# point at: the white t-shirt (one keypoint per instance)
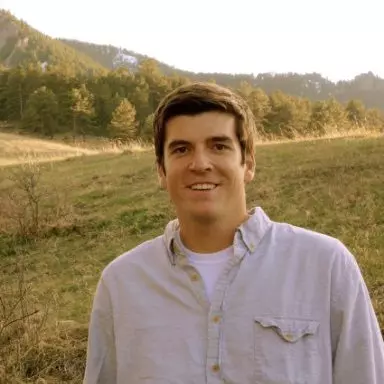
(209, 265)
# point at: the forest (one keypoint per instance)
(120, 105)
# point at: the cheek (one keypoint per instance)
(174, 181)
(235, 174)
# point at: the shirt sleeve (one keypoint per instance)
(101, 354)
(357, 343)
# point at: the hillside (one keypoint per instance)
(21, 44)
(366, 87)
(108, 56)
(93, 208)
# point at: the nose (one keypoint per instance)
(200, 161)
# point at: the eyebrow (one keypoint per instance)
(178, 142)
(222, 139)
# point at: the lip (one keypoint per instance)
(202, 190)
(202, 182)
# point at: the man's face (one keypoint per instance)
(203, 172)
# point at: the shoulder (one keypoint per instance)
(288, 239)
(326, 256)
(305, 238)
(317, 246)
(144, 254)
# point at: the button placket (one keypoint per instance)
(197, 284)
(215, 319)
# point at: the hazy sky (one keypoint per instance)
(337, 38)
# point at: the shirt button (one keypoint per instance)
(194, 277)
(215, 368)
(288, 337)
(216, 319)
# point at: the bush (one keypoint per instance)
(28, 209)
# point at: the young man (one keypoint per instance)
(226, 295)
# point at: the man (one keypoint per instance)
(226, 295)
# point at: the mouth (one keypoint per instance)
(203, 187)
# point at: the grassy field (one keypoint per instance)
(14, 149)
(17, 149)
(111, 202)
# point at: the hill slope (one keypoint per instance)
(22, 44)
(108, 56)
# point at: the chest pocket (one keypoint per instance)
(286, 350)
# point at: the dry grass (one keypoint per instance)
(17, 149)
(357, 132)
(107, 146)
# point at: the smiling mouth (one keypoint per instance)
(203, 187)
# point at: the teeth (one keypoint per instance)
(203, 186)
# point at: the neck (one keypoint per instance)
(209, 237)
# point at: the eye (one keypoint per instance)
(220, 147)
(180, 150)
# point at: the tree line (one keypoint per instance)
(120, 104)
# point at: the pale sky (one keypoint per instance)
(337, 38)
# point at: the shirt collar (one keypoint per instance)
(249, 233)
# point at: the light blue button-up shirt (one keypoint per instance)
(289, 307)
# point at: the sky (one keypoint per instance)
(336, 38)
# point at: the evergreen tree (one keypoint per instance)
(147, 130)
(123, 125)
(15, 93)
(287, 117)
(41, 112)
(327, 116)
(356, 112)
(82, 110)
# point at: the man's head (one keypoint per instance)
(196, 98)
(205, 138)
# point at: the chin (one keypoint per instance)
(204, 214)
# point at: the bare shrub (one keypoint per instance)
(28, 208)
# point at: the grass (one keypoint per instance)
(17, 149)
(335, 186)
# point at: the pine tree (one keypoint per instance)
(356, 112)
(41, 112)
(82, 110)
(123, 125)
(15, 93)
(327, 116)
(147, 128)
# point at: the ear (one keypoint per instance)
(161, 176)
(249, 171)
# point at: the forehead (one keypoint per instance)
(201, 127)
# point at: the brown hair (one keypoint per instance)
(199, 97)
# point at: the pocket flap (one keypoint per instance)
(291, 330)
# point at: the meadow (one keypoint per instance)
(61, 222)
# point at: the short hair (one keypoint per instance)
(199, 97)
